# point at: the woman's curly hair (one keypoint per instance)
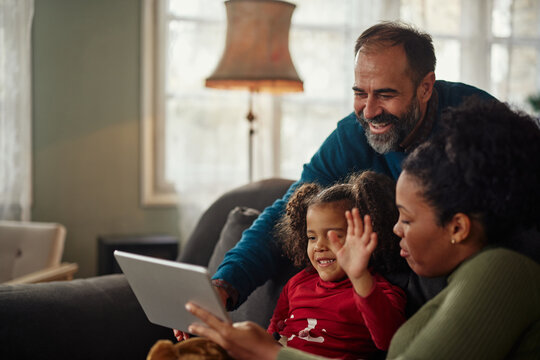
(483, 162)
(370, 192)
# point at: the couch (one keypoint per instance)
(100, 318)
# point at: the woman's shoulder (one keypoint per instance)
(499, 267)
(499, 258)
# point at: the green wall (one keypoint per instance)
(86, 132)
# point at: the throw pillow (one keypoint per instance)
(238, 220)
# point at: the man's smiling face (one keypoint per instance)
(386, 101)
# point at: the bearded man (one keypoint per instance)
(397, 104)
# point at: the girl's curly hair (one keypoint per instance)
(370, 192)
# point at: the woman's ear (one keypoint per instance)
(460, 228)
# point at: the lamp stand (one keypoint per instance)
(260, 62)
(250, 118)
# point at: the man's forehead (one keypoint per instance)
(386, 68)
(382, 83)
(394, 55)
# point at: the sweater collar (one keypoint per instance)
(333, 284)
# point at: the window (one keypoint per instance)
(196, 138)
(492, 44)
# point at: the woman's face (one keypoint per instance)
(424, 244)
(320, 219)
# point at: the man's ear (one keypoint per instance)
(459, 227)
(425, 89)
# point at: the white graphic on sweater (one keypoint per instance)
(305, 335)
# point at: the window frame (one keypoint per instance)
(155, 191)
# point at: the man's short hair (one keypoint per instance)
(418, 45)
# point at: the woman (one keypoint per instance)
(464, 198)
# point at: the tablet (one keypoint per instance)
(163, 288)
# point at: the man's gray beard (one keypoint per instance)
(401, 127)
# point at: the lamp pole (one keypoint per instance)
(250, 118)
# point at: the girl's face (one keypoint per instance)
(424, 244)
(320, 219)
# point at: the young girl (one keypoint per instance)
(320, 311)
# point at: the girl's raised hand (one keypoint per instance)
(353, 255)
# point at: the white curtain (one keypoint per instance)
(15, 108)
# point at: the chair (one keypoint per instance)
(31, 252)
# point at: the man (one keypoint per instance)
(397, 104)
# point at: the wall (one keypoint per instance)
(86, 134)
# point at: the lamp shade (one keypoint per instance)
(256, 55)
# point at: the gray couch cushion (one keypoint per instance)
(239, 219)
(73, 320)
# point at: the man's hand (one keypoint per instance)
(223, 295)
(245, 340)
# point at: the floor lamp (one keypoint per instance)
(256, 56)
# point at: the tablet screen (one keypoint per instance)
(163, 287)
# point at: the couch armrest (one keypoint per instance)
(64, 271)
(95, 318)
